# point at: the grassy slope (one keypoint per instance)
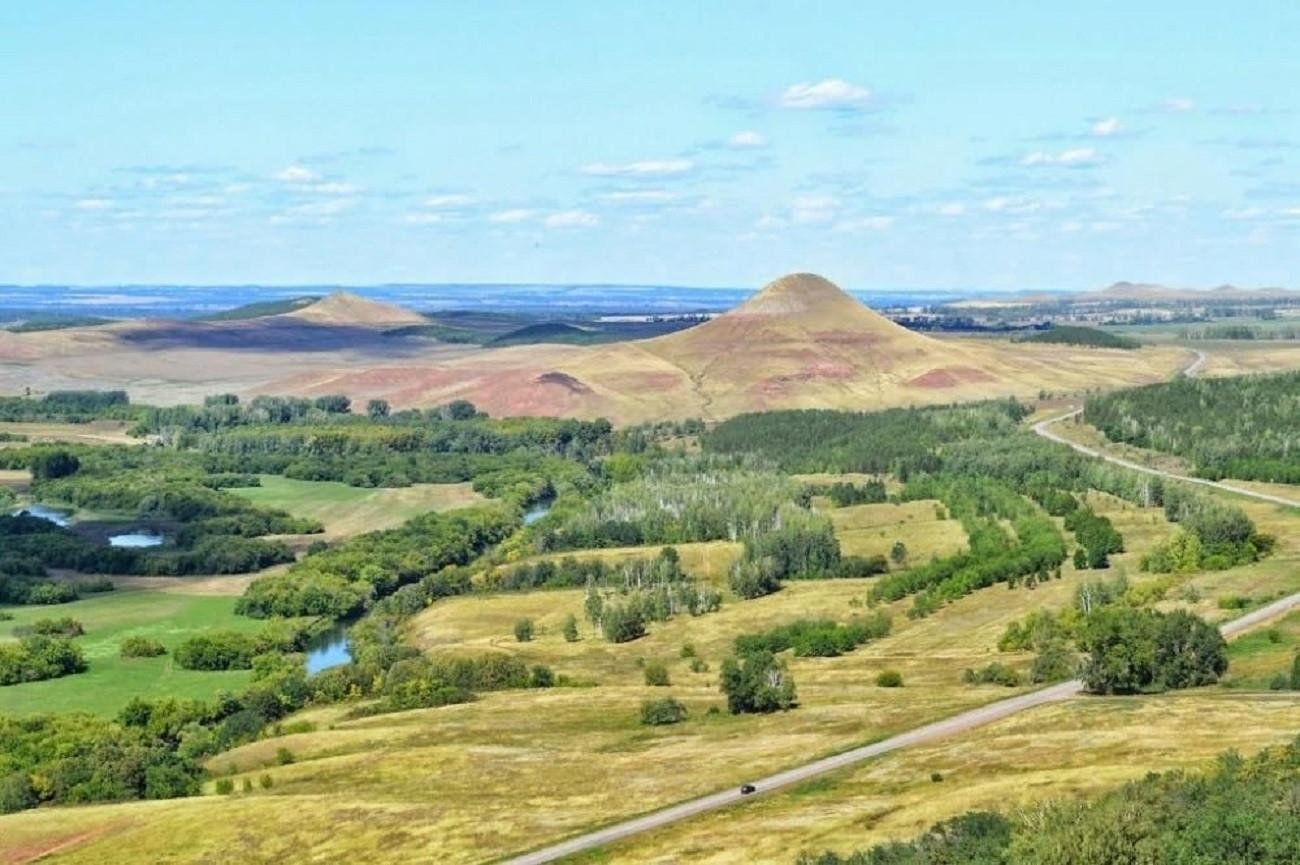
(111, 681)
(505, 782)
(347, 510)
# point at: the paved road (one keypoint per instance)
(1043, 428)
(961, 723)
(950, 726)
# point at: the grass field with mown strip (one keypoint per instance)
(111, 681)
(347, 510)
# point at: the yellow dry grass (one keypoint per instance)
(346, 511)
(511, 770)
(869, 530)
(98, 432)
(15, 479)
(1080, 747)
(708, 561)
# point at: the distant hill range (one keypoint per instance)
(1140, 291)
(801, 342)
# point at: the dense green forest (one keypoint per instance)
(1241, 812)
(1247, 427)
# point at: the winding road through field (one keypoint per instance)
(1044, 429)
(957, 724)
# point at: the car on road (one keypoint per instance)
(746, 789)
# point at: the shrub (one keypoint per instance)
(995, 673)
(698, 665)
(265, 781)
(39, 657)
(757, 682)
(661, 712)
(656, 674)
(1234, 602)
(889, 679)
(541, 676)
(283, 756)
(1055, 663)
(64, 627)
(141, 647)
(524, 630)
(225, 786)
(570, 630)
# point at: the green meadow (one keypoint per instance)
(110, 680)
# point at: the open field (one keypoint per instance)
(484, 779)
(99, 432)
(347, 510)
(869, 530)
(1262, 654)
(1074, 748)
(111, 681)
(707, 561)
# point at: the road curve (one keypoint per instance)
(1043, 428)
(968, 720)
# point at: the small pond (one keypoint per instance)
(59, 518)
(329, 649)
(536, 511)
(136, 540)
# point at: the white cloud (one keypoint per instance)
(640, 168)
(297, 174)
(641, 196)
(867, 223)
(514, 215)
(811, 209)
(572, 219)
(747, 139)
(94, 204)
(1008, 204)
(449, 202)
(831, 94)
(1106, 127)
(767, 222)
(320, 210)
(1074, 157)
(1177, 104)
(1243, 213)
(333, 188)
(950, 208)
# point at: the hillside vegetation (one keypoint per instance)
(1239, 813)
(1247, 428)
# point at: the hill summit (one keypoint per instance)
(346, 308)
(801, 316)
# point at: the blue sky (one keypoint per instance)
(994, 145)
